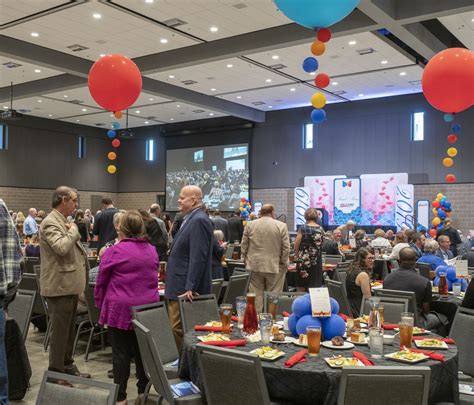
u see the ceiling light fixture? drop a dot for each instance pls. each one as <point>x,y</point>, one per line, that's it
<point>268,80</point>
<point>239,97</point>
<point>163,40</point>
<point>34,34</point>
<point>65,96</point>
<point>151,99</point>
<point>334,83</point>
<point>211,114</point>
<point>275,57</point>
<point>214,29</point>
<point>352,42</point>
<point>137,112</point>
<point>270,106</point>
<point>171,76</point>
<point>229,65</point>
<point>384,62</point>
<point>361,95</point>
<point>178,106</point>
<point>77,120</point>
<point>37,71</point>
<point>84,109</point>
<point>97,16</point>
<point>213,89</point>
<point>50,115</point>
<point>149,1</point>
<point>102,55</point>
<point>403,73</point>
<point>292,89</point>
<point>5,107</point>
<point>312,73</point>
<point>147,122</point>
<point>171,119</point>
<point>40,101</point>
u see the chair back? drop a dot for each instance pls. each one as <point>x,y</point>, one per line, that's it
<point>463,331</point>
<point>338,292</point>
<point>410,295</point>
<point>30,262</point>
<point>424,269</point>
<point>285,300</point>
<point>216,287</point>
<point>92,310</point>
<point>332,259</point>
<point>231,376</point>
<point>239,270</point>
<point>21,309</point>
<point>97,392</point>
<point>92,261</point>
<point>154,317</point>
<point>28,282</point>
<point>391,385</point>
<point>201,310</point>
<point>393,307</point>
<point>238,286</point>
<point>37,269</point>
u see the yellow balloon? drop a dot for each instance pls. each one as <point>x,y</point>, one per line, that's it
<point>452,152</point>
<point>439,196</point>
<point>436,221</point>
<point>448,162</point>
<point>435,212</point>
<point>111,169</point>
<point>318,100</point>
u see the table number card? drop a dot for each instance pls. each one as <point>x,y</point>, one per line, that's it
<point>461,268</point>
<point>320,302</point>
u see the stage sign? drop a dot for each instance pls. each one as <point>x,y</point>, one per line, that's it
<point>404,208</point>
<point>347,200</point>
<point>302,203</point>
<point>422,215</point>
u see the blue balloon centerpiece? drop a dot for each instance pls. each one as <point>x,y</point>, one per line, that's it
<point>451,277</point>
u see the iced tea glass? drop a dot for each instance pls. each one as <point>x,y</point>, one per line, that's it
<point>225,311</point>
<point>406,329</point>
<point>313,333</point>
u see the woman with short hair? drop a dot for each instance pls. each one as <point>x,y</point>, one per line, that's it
<point>380,241</point>
<point>429,255</point>
<point>358,279</point>
<point>399,244</point>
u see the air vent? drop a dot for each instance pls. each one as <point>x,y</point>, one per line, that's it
<point>415,82</point>
<point>258,103</point>
<point>11,65</point>
<point>174,22</point>
<point>339,92</point>
<point>77,47</point>
<point>365,51</point>
<point>76,101</point>
<point>239,6</point>
<point>188,82</point>
<point>24,111</point>
<point>198,111</point>
<point>100,124</point>
<point>101,42</point>
<point>278,66</point>
<point>151,117</point>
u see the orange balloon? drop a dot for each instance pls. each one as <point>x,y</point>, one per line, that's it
<point>318,48</point>
<point>452,152</point>
<point>112,155</point>
<point>118,114</point>
<point>447,162</point>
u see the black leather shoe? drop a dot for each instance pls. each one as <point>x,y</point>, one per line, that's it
<point>75,371</point>
<point>110,373</point>
<point>60,382</point>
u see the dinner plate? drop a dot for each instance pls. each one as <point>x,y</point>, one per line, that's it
<point>288,339</point>
<point>331,364</point>
<point>205,338</point>
<point>266,358</point>
<point>390,356</point>
<point>297,343</point>
<point>420,345</point>
<point>365,343</point>
<point>328,344</point>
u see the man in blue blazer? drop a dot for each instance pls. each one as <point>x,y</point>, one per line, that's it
<point>188,271</point>
<point>443,251</point>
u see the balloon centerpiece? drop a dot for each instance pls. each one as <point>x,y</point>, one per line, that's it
<point>441,210</point>
<point>451,277</point>
<point>245,209</point>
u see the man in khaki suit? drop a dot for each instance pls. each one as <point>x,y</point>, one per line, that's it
<point>63,277</point>
<point>265,249</point>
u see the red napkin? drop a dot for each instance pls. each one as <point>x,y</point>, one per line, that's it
<point>296,358</point>
<point>228,343</point>
<point>234,318</point>
<point>204,328</point>
<point>431,355</point>
<point>362,357</point>
<point>449,341</point>
<point>344,317</point>
<point>285,314</point>
<point>390,326</point>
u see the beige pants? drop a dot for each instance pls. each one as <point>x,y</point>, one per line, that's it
<point>175,319</point>
<point>260,282</point>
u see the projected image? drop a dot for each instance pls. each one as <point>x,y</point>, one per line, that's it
<point>223,179</point>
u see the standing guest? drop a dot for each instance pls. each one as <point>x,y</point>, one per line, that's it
<point>308,244</point>
<point>63,277</point>
<point>104,230</point>
<point>236,227</point>
<point>19,220</point>
<point>358,279</point>
<point>10,275</point>
<point>444,252</point>
<point>390,236</point>
<point>218,249</point>
<point>39,218</point>
<point>155,212</point>
<point>178,221</point>
<point>221,224</point>
<point>399,243</point>
<point>155,234</point>
<point>188,272</point>
<point>168,222</point>
<point>82,226</point>
<point>32,249</point>
<point>429,255</point>
<point>252,216</point>
<point>30,227</point>
<point>380,241</point>
<point>417,244</point>
<point>347,231</point>
<point>468,301</point>
<point>265,250</point>
<point>127,277</point>
<point>453,236</point>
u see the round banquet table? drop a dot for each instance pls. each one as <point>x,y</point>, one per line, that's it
<point>314,382</point>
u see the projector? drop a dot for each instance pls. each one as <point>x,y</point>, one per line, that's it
<point>11,115</point>
<point>126,133</point>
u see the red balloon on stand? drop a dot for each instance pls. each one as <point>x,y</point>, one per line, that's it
<point>115,82</point>
<point>322,80</point>
<point>450,178</point>
<point>452,138</point>
<point>115,143</point>
<point>448,80</point>
<point>433,233</point>
<point>324,34</point>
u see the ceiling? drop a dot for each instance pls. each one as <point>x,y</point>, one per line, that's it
<point>212,58</point>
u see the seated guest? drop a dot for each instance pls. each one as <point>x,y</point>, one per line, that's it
<point>360,239</point>
<point>389,235</point>
<point>400,243</point>
<point>127,278</point>
<point>218,249</point>
<point>417,243</point>
<point>443,251</point>
<point>380,242</point>
<point>358,279</point>
<point>429,256</point>
<point>32,249</point>
<point>347,231</point>
<point>468,301</point>
<point>330,246</point>
<point>453,236</point>
<point>406,278</point>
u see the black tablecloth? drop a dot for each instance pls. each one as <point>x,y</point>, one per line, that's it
<point>446,305</point>
<point>314,382</point>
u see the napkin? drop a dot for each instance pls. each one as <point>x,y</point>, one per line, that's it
<point>234,318</point>
<point>296,358</point>
<point>204,328</point>
<point>362,357</point>
<point>431,355</point>
<point>390,326</point>
<point>344,317</point>
<point>449,341</point>
<point>285,314</point>
<point>228,343</point>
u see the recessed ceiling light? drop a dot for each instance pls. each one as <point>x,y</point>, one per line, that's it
<point>361,95</point>
<point>268,80</point>
<point>149,1</point>
<point>352,42</point>
<point>403,73</point>
<point>229,65</point>
<point>34,34</point>
<point>137,112</point>
<point>292,89</point>
<point>97,16</point>
<point>270,106</point>
<point>147,122</point>
<point>171,119</point>
<point>213,29</point>
<point>163,40</point>
<point>111,116</point>
<point>171,76</point>
<point>178,106</point>
<point>334,83</point>
<point>384,62</point>
<point>50,115</point>
<point>151,99</point>
<point>275,57</point>
<point>5,107</point>
<point>84,109</point>
<point>213,89</point>
<point>312,73</point>
<point>37,71</point>
<point>239,97</point>
<point>65,96</point>
<point>211,114</point>
<point>40,101</point>
<point>77,120</point>
<point>102,55</point>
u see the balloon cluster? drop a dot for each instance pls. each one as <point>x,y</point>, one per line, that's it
<point>245,209</point>
<point>301,318</point>
<point>451,151</point>
<point>112,134</point>
<point>450,277</point>
<point>441,210</point>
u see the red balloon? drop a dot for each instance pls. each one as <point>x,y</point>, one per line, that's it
<point>450,178</point>
<point>435,204</point>
<point>324,34</point>
<point>452,138</point>
<point>116,143</point>
<point>115,82</point>
<point>433,233</point>
<point>322,80</point>
<point>448,80</point>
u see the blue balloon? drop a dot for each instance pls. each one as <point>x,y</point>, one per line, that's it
<point>451,274</point>
<point>333,326</point>
<point>441,269</point>
<point>447,205</point>
<point>310,65</point>
<point>301,306</point>
<point>448,117</point>
<point>292,321</point>
<point>443,200</point>
<point>440,227</point>
<point>463,284</point>
<point>116,124</point>
<point>334,306</point>
<point>318,115</point>
<point>316,13</point>
<point>111,134</point>
<point>456,128</point>
<point>442,214</point>
<point>304,322</point>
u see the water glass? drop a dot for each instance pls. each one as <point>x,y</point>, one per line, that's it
<point>265,323</point>
<point>240,305</point>
<point>376,342</point>
<point>285,324</point>
<point>457,289</point>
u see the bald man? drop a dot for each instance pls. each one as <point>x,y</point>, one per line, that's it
<point>188,271</point>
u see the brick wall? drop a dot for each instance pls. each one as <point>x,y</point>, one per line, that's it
<point>129,201</point>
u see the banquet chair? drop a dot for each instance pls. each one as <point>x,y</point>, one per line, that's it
<point>28,282</point>
<point>30,262</point>
<point>216,287</point>
<point>21,309</point>
<point>393,307</point>
<point>332,259</point>
<point>155,371</point>
<point>238,286</point>
<point>96,393</point>
<point>338,292</point>
<point>285,300</point>
<point>202,309</point>
<point>231,376</point>
<point>412,305</point>
<point>424,269</point>
<point>384,386</point>
<point>462,331</point>
<point>37,272</point>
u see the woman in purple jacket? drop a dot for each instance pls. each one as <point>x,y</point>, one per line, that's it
<point>127,277</point>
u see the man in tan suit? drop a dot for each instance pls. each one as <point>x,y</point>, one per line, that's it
<point>63,277</point>
<point>265,249</point>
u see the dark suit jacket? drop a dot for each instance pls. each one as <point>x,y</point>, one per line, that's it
<point>222,225</point>
<point>330,247</point>
<point>236,229</point>
<point>448,252</point>
<point>189,262</point>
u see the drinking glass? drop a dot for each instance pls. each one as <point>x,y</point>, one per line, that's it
<point>272,304</point>
<point>313,333</point>
<point>376,342</point>
<point>240,304</point>
<point>406,329</point>
<point>266,322</point>
<point>457,289</point>
<point>225,311</point>
<point>381,314</point>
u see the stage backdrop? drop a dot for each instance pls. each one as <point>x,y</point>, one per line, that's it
<point>347,200</point>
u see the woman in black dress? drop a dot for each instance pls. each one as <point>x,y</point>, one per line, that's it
<point>358,279</point>
<point>308,244</point>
